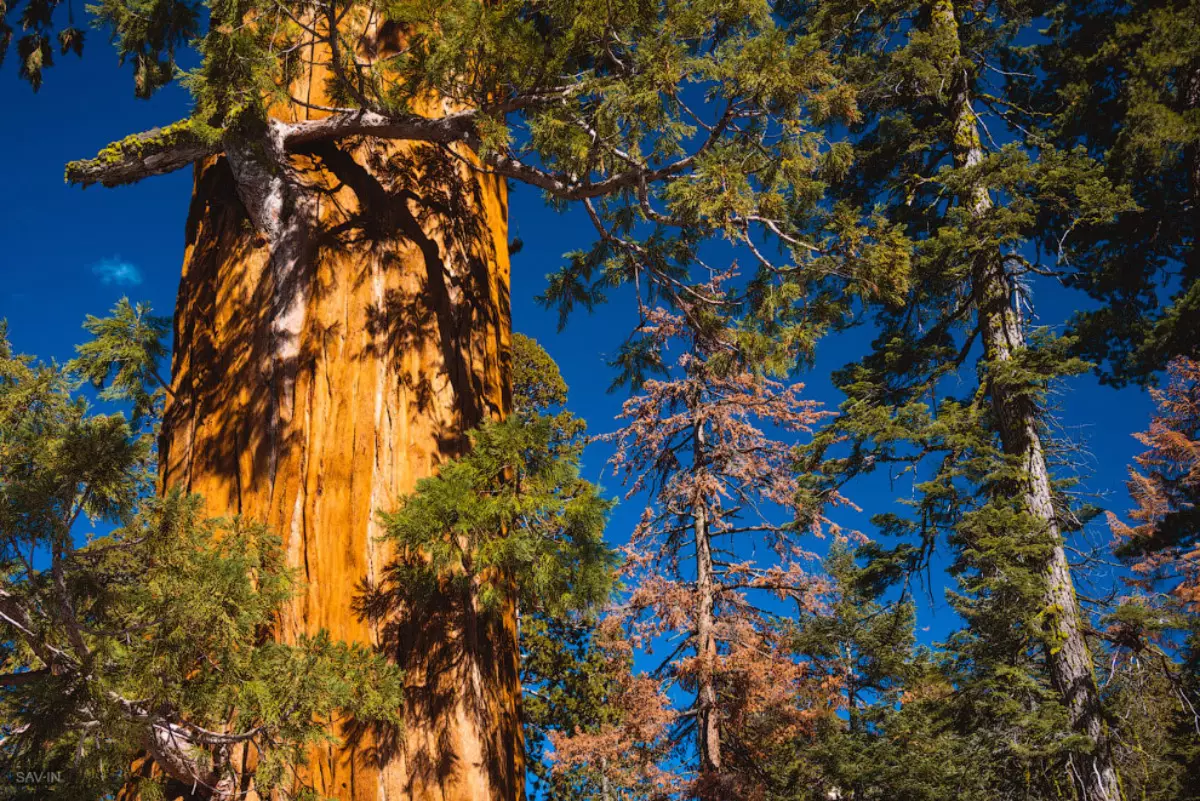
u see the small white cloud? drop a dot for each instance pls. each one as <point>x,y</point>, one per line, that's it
<point>115,270</point>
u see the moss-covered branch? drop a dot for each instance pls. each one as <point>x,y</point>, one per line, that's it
<point>178,145</point>
<point>155,152</point>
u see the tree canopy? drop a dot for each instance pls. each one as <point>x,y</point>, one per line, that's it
<point>760,178</point>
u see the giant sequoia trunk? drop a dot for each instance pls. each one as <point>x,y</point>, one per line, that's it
<point>1003,337</point>
<point>318,376</point>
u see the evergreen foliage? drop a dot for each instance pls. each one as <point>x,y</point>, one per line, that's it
<point>124,352</point>
<point>758,175</point>
<point>897,738</point>
<point>511,520</point>
<point>673,124</point>
<point>132,622</point>
<point>1153,632</point>
<point>1122,79</point>
<point>954,392</point>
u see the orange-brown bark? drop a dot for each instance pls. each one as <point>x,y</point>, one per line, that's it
<point>309,400</point>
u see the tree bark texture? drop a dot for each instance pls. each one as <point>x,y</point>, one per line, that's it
<point>318,376</point>
<point>708,726</point>
<point>1003,336</point>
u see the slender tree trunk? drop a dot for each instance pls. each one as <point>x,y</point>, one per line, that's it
<point>605,786</point>
<point>316,378</point>
<point>707,724</point>
<point>1003,335</point>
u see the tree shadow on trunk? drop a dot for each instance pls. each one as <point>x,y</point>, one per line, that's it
<point>437,330</point>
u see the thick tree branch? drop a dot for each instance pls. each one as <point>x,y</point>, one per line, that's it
<point>451,128</point>
<point>155,152</point>
<point>177,146</point>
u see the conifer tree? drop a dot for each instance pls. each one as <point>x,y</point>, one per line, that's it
<point>567,679</point>
<point>1154,631</point>
<point>1163,544</point>
<point>694,442</point>
<point>132,624</point>
<point>627,754</point>
<point>354,446</point>
<point>569,684</point>
<point>897,739</point>
<point>515,508</point>
<point>1122,79</point>
<point>930,78</point>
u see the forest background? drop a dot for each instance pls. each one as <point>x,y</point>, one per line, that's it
<point>95,247</point>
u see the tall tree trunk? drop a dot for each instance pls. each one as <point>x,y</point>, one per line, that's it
<point>317,377</point>
<point>707,725</point>
<point>1003,335</point>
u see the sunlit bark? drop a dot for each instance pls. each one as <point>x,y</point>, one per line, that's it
<point>335,337</point>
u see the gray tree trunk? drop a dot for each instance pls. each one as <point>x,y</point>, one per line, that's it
<point>1003,335</point>
<point>707,726</point>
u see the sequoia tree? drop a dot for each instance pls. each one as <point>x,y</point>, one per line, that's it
<point>343,313</point>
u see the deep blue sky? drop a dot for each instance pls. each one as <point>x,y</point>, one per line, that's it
<point>68,252</point>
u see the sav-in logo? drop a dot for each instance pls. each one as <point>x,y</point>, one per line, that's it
<point>35,777</point>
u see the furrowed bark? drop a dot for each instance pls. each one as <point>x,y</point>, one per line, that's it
<point>342,322</point>
<point>1003,335</point>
